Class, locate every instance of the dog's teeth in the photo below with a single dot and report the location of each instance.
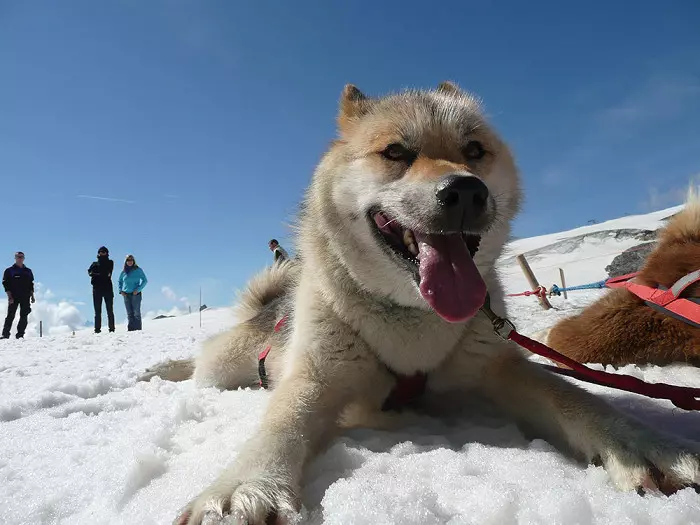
(408, 237)
(410, 241)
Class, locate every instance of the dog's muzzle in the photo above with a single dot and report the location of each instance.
(463, 199)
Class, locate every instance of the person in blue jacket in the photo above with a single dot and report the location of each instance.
(132, 281)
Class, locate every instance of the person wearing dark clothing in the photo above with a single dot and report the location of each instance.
(18, 281)
(100, 273)
(279, 253)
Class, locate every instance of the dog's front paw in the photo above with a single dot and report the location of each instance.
(252, 502)
(647, 462)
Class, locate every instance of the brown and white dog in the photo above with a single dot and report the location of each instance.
(620, 328)
(399, 232)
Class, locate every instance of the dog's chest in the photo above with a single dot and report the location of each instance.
(409, 344)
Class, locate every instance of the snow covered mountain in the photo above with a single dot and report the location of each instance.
(82, 443)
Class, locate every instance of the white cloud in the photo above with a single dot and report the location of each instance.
(170, 295)
(110, 199)
(57, 317)
(660, 97)
(658, 199)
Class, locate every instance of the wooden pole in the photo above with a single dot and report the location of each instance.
(525, 267)
(41, 328)
(563, 283)
(200, 307)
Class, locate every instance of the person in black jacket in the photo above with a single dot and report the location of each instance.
(100, 273)
(18, 281)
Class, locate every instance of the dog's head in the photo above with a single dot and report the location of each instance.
(419, 182)
(678, 251)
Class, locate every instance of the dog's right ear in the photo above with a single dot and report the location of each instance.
(353, 104)
(449, 87)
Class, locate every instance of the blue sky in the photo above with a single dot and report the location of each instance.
(203, 120)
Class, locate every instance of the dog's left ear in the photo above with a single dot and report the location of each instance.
(449, 87)
(353, 104)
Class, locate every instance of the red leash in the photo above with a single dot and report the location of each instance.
(682, 397)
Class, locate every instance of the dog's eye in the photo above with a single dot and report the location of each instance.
(398, 152)
(474, 150)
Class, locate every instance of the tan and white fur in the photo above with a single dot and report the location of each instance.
(356, 312)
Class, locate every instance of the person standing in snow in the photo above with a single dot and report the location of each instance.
(132, 281)
(279, 253)
(18, 281)
(100, 273)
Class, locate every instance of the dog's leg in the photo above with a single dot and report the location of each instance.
(303, 411)
(635, 455)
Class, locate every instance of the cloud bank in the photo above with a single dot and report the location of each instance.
(58, 317)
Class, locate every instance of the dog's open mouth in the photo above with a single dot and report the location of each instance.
(449, 280)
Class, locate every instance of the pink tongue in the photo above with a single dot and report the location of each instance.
(449, 279)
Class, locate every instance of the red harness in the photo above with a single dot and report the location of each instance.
(668, 301)
(406, 390)
(409, 388)
(264, 383)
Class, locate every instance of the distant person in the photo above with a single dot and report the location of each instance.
(100, 273)
(18, 281)
(132, 281)
(279, 254)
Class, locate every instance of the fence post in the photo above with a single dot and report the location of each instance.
(41, 328)
(525, 267)
(563, 283)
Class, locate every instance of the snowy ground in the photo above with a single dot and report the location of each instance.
(82, 443)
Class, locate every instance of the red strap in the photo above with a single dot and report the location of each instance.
(278, 327)
(262, 355)
(540, 291)
(682, 397)
(406, 391)
(617, 281)
(281, 323)
(667, 299)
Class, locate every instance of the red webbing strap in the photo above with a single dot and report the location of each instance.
(682, 397)
(262, 355)
(620, 279)
(667, 299)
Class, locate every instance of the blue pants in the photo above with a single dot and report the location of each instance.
(133, 311)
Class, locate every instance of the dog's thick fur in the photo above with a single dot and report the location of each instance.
(620, 328)
(356, 315)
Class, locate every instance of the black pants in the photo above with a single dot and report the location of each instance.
(23, 304)
(97, 296)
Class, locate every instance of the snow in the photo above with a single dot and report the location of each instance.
(82, 442)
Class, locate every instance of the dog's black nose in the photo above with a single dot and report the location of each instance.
(463, 199)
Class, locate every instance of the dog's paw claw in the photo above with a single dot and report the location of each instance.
(256, 502)
(650, 469)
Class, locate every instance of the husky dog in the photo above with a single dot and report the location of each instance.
(620, 328)
(397, 239)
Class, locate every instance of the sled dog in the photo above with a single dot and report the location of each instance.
(397, 239)
(620, 328)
